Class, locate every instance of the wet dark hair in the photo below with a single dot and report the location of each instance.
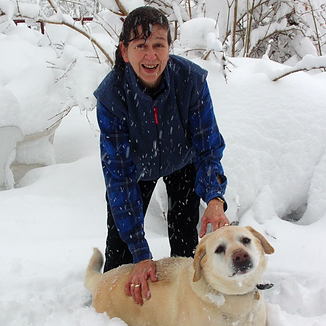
(145, 17)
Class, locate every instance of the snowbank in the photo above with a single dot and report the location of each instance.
(275, 161)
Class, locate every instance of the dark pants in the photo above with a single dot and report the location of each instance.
(183, 216)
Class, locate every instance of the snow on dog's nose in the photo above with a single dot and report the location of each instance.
(241, 261)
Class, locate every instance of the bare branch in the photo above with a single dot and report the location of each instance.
(297, 70)
(269, 36)
(66, 71)
(79, 30)
(74, 2)
(316, 28)
(206, 55)
(54, 6)
(61, 116)
(95, 50)
(189, 9)
(122, 9)
(250, 14)
(18, 8)
(102, 25)
(235, 14)
(242, 17)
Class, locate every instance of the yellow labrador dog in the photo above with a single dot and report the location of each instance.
(216, 288)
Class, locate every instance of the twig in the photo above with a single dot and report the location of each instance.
(94, 48)
(62, 115)
(121, 7)
(54, 6)
(270, 36)
(189, 9)
(249, 28)
(66, 71)
(75, 2)
(81, 32)
(316, 28)
(235, 13)
(104, 27)
(206, 55)
(186, 51)
(297, 70)
(242, 17)
(18, 8)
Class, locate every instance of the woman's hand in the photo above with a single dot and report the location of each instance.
(137, 285)
(214, 215)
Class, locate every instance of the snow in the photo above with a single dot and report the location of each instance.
(29, 10)
(275, 161)
(8, 7)
(129, 5)
(200, 33)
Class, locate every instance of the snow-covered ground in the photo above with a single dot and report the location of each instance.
(275, 161)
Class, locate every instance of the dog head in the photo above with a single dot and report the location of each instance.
(232, 259)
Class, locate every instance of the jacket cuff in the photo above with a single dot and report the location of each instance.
(213, 195)
(140, 251)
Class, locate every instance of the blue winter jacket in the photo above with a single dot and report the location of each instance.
(144, 138)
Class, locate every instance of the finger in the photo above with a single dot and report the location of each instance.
(145, 292)
(152, 274)
(128, 286)
(137, 294)
(203, 227)
(224, 222)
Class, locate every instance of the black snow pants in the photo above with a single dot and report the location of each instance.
(183, 216)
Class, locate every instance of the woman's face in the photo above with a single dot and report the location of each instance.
(148, 57)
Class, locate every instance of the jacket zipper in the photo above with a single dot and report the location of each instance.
(155, 115)
(156, 121)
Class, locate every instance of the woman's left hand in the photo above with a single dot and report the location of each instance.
(214, 215)
(137, 284)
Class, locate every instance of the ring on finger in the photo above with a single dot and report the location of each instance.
(132, 285)
(137, 285)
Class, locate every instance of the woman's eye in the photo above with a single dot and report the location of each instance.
(140, 46)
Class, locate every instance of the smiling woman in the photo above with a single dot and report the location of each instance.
(157, 120)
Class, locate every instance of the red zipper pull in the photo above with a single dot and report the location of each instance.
(156, 115)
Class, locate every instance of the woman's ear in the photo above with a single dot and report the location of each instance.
(124, 52)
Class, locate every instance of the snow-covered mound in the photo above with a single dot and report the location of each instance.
(275, 161)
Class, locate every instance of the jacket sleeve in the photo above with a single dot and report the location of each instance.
(120, 175)
(209, 145)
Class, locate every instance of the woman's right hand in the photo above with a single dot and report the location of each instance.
(137, 284)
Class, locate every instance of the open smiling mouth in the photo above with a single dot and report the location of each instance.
(150, 67)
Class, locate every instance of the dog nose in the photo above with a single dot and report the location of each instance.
(240, 256)
(241, 260)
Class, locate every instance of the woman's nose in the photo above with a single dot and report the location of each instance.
(150, 53)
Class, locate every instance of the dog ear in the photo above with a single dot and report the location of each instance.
(199, 255)
(268, 249)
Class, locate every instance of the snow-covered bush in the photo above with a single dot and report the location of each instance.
(68, 59)
(286, 29)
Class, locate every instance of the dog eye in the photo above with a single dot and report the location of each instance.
(245, 240)
(220, 249)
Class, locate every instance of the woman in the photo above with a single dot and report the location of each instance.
(156, 119)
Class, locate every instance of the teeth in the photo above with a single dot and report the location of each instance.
(150, 66)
